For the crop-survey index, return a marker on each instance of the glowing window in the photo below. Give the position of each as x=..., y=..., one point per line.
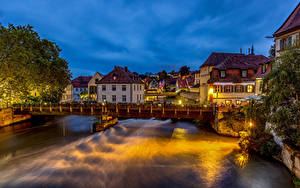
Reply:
x=249, y=88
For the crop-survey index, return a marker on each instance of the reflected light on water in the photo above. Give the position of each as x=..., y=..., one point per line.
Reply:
x=132, y=154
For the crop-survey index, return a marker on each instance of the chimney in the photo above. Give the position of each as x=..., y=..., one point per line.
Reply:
x=126, y=69
x=115, y=67
x=248, y=51
x=241, y=51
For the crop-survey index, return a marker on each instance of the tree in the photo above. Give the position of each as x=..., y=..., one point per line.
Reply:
x=29, y=63
x=272, y=51
x=162, y=75
x=184, y=70
x=281, y=90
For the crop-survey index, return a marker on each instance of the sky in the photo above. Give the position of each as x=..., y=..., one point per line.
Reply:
x=148, y=35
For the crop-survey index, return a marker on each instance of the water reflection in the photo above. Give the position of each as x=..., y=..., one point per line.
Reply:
x=138, y=153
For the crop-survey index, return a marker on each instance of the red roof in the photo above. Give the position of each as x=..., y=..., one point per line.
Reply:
x=260, y=73
x=216, y=58
x=120, y=75
x=241, y=61
x=81, y=81
x=291, y=23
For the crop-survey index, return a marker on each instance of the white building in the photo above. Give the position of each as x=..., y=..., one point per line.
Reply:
x=287, y=36
x=77, y=87
x=120, y=86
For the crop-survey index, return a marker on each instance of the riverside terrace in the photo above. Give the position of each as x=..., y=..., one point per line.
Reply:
x=124, y=111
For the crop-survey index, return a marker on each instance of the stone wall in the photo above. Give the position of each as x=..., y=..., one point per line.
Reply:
x=7, y=117
x=291, y=159
x=226, y=128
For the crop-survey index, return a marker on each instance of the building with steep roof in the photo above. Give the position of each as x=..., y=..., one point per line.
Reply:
x=92, y=86
x=234, y=78
x=213, y=60
x=120, y=86
x=287, y=36
x=77, y=87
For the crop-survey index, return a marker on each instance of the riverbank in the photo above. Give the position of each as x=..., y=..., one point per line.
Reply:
x=7, y=117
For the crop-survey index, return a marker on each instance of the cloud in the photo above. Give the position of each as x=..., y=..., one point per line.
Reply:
x=147, y=35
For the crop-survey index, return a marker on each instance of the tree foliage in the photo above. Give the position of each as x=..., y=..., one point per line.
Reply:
x=272, y=51
x=281, y=89
x=29, y=63
x=184, y=70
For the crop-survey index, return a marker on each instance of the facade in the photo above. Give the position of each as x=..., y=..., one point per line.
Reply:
x=263, y=69
x=92, y=86
x=234, y=79
x=205, y=71
x=120, y=86
x=287, y=36
x=77, y=88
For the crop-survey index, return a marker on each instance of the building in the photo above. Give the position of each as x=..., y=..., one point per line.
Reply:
x=205, y=70
x=120, y=86
x=77, y=90
x=263, y=69
x=92, y=86
x=234, y=78
x=287, y=36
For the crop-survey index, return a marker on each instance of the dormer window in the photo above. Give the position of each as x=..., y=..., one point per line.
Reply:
x=244, y=73
x=264, y=68
x=222, y=74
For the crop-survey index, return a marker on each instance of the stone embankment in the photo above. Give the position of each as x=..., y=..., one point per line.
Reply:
x=8, y=117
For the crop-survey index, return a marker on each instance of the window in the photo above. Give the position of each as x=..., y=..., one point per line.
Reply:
x=281, y=44
x=113, y=87
x=239, y=88
x=114, y=98
x=140, y=88
x=133, y=87
x=103, y=87
x=217, y=89
x=123, y=98
x=103, y=97
x=123, y=87
x=228, y=89
x=137, y=97
x=263, y=69
x=238, y=102
x=249, y=88
x=244, y=74
x=289, y=44
x=223, y=74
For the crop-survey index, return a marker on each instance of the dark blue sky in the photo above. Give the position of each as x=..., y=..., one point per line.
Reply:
x=148, y=35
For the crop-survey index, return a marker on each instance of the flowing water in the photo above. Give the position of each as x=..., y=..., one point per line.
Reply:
x=62, y=152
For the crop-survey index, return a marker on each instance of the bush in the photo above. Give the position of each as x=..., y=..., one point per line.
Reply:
x=261, y=143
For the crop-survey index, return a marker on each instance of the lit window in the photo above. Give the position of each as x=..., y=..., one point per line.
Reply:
x=223, y=74
x=114, y=98
x=249, y=88
x=113, y=87
x=244, y=74
x=217, y=89
x=238, y=102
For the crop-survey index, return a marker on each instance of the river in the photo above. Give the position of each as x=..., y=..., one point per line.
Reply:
x=61, y=151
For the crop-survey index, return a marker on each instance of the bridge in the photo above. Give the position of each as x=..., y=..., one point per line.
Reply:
x=123, y=111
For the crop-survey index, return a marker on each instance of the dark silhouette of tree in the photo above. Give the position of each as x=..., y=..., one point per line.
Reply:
x=184, y=70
